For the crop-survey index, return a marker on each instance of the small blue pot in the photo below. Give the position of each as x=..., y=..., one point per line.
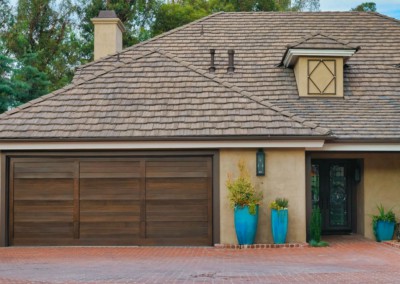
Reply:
x=245, y=225
x=384, y=231
x=279, y=225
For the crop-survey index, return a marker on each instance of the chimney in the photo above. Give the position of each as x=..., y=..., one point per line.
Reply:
x=212, y=66
x=231, y=66
x=108, y=31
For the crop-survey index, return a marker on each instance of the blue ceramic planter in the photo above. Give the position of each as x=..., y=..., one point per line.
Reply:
x=245, y=225
x=384, y=231
x=279, y=225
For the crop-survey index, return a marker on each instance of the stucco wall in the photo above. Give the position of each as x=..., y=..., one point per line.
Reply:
x=380, y=185
x=285, y=177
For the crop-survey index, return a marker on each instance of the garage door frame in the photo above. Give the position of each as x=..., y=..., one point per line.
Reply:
x=5, y=172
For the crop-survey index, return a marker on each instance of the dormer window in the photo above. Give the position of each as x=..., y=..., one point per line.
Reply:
x=318, y=62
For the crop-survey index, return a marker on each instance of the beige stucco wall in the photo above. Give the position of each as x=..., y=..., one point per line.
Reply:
x=301, y=74
x=285, y=177
x=380, y=185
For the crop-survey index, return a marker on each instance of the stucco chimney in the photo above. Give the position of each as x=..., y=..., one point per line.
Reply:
x=108, y=31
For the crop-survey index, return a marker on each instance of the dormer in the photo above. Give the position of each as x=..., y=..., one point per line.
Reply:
x=318, y=61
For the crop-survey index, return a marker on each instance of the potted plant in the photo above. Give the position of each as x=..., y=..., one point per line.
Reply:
x=383, y=224
x=279, y=220
x=245, y=200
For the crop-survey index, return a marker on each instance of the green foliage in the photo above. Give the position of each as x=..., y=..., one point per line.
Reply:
x=315, y=225
x=388, y=216
x=177, y=13
x=173, y=15
x=279, y=204
x=242, y=191
x=43, y=28
x=314, y=243
x=305, y=5
x=365, y=7
x=7, y=88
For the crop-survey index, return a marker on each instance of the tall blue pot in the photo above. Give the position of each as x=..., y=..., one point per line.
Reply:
x=279, y=225
x=384, y=231
x=245, y=225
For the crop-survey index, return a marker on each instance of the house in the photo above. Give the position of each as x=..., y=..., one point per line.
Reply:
x=136, y=150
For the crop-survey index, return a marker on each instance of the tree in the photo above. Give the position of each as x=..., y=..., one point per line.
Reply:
x=365, y=7
x=305, y=5
x=43, y=28
x=29, y=83
x=6, y=86
x=180, y=12
x=172, y=15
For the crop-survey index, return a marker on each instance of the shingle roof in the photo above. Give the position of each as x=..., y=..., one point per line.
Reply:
x=149, y=96
x=370, y=108
x=318, y=40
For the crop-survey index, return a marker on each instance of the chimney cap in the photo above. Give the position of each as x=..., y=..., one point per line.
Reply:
x=107, y=14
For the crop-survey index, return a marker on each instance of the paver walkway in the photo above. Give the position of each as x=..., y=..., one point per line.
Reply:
x=347, y=260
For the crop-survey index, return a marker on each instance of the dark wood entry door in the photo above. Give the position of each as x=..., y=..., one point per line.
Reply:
x=333, y=191
x=110, y=201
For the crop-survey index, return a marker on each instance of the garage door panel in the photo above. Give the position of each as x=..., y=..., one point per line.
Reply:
x=176, y=212
x=43, y=167
x=112, y=229
x=108, y=211
x=110, y=201
x=43, y=189
x=43, y=175
x=43, y=230
x=176, y=229
x=109, y=189
x=110, y=167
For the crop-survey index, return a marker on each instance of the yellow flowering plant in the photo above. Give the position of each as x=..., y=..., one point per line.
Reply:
x=279, y=204
x=241, y=190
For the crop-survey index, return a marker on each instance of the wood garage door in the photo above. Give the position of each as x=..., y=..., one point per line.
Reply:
x=110, y=201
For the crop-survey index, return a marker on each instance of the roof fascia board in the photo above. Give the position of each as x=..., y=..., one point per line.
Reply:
x=149, y=145
x=293, y=54
x=357, y=147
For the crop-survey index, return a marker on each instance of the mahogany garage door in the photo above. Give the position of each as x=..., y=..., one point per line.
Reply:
x=110, y=201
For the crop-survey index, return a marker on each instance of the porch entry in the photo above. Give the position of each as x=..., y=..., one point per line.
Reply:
x=333, y=189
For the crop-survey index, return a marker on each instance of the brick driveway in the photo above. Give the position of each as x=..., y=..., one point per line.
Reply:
x=348, y=260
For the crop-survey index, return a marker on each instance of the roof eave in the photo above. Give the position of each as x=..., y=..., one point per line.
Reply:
x=292, y=54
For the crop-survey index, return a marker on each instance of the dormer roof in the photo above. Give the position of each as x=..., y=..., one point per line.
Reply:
x=318, y=44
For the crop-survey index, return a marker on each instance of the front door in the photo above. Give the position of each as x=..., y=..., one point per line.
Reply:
x=332, y=187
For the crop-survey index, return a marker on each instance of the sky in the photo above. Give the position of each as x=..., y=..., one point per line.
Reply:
x=387, y=7
x=390, y=8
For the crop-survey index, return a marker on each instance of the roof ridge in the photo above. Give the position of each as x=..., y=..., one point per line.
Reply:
x=151, y=39
x=73, y=84
x=384, y=16
x=304, y=122
x=320, y=33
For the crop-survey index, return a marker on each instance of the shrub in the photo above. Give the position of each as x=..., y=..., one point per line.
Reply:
x=279, y=204
x=241, y=190
x=315, y=225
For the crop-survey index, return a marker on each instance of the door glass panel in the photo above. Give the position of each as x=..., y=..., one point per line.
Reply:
x=315, y=184
x=337, y=196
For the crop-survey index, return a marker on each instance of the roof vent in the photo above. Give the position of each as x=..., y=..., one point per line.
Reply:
x=212, y=66
x=231, y=66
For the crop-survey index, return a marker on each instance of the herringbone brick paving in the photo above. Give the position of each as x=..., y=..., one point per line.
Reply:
x=347, y=260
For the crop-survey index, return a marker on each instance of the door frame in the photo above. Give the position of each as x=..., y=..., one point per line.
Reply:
x=357, y=162
x=5, y=180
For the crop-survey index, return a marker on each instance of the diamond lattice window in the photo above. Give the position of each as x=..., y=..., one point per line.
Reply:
x=321, y=77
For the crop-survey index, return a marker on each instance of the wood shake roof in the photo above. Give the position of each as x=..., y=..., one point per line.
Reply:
x=162, y=89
